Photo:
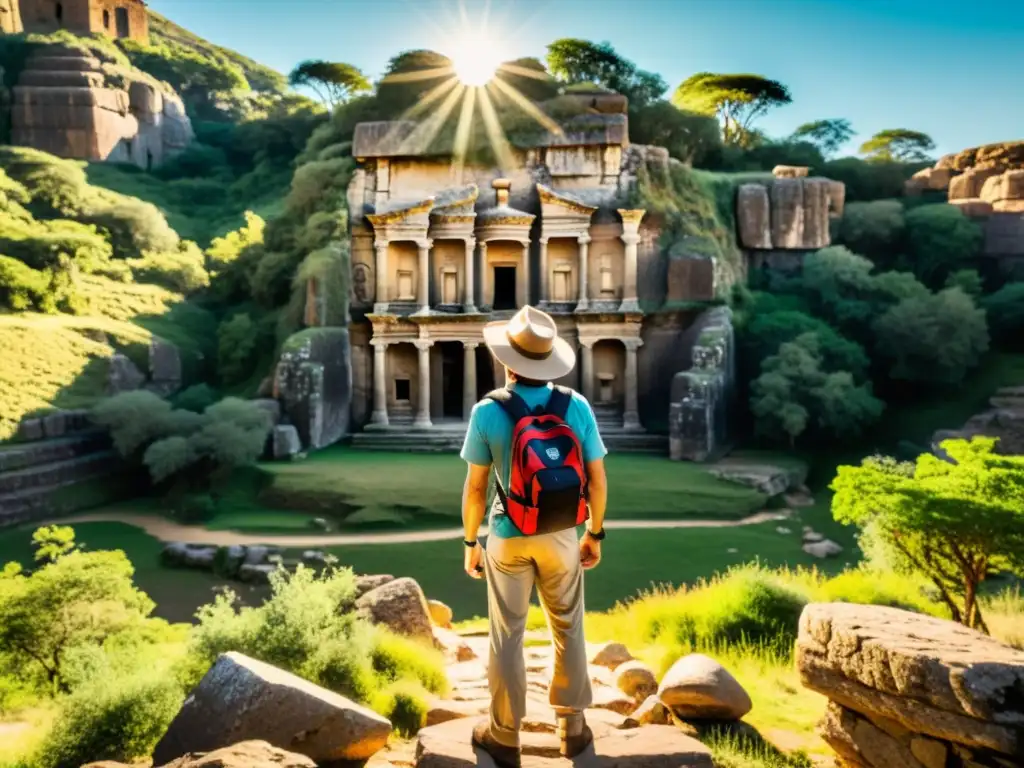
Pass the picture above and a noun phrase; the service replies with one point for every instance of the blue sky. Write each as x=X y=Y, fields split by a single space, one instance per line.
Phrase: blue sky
x=951 y=68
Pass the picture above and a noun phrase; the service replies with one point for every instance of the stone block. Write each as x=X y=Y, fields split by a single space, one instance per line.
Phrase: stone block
x=816 y=219
x=145 y=98
x=787 y=203
x=123 y=375
x=970 y=183
x=974 y=207
x=314 y=384
x=286 y=442
x=399 y=605
x=753 y=216
x=55 y=424
x=836 y=198
x=67 y=79
x=790 y=171
x=164 y=363
x=241 y=699
x=30 y=430
x=81 y=63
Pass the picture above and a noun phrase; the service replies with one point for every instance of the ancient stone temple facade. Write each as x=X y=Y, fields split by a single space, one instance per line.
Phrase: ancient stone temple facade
x=114 y=18
x=436 y=256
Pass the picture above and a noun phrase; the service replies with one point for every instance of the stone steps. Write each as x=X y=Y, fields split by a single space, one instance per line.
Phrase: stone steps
x=57 y=473
x=27 y=455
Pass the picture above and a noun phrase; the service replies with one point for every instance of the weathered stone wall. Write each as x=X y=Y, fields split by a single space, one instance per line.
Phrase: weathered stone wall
x=114 y=18
x=979 y=179
x=910 y=690
x=10 y=17
x=792 y=212
x=64 y=104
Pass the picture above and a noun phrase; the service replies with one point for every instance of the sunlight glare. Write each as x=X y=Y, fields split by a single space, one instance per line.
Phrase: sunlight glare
x=476 y=56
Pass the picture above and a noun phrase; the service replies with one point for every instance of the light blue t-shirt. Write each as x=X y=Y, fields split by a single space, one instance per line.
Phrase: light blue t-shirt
x=489 y=440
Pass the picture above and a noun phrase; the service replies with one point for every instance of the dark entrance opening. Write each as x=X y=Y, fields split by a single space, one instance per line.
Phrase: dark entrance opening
x=504 y=288
x=121 y=15
x=59 y=13
x=484 y=372
x=106 y=19
x=452 y=364
x=402 y=390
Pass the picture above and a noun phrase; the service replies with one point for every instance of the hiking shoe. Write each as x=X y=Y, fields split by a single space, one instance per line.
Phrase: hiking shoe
x=574 y=734
x=503 y=756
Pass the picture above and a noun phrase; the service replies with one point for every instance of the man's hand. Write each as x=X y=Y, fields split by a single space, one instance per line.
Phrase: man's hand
x=590 y=552
x=474 y=561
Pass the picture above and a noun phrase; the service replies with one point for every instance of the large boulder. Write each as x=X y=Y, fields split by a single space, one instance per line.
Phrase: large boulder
x=914 y=680
x=247 y=754
x=657 y=746
x=698 y=687
x=753 y=216
x=401 y=606
x=123 y=375
x=368 y=582
x=241 y=699
x=164 y=367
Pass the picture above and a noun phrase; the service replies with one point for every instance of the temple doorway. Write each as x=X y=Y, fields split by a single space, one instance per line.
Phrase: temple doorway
x=452 y=362
x=484 y=372
x=121 y=19
x=504 y=288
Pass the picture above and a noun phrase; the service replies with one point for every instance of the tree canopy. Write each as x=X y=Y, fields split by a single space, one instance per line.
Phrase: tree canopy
x=737 y=100
x=572 y=60
x=334 y=82
x=827 y=135
x=898 y=144
x=955 y=521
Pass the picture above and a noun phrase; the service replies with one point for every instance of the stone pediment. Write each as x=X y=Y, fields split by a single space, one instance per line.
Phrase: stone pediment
x=563 y=203
x=392 y=211
x=456 y=203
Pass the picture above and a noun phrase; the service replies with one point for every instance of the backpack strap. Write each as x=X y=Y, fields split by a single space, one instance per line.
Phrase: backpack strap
x=511 y=403
x=558 y=403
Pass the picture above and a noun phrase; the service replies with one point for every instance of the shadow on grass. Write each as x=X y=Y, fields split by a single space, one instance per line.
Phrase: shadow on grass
x=741 y=745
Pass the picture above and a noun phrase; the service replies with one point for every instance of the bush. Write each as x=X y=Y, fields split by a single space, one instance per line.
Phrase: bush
x=24 y=289
x=940 y=240
x=196 y=398
x=396 y=658
x=135 y=228
x=181 y=270
x=404 y=703
x=236 y=340
x=874 y=230
x=875 y=180
x=1005 y=310
x=118 y=720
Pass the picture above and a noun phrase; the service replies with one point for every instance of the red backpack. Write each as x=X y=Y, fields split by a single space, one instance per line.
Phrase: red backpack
x=548 y=481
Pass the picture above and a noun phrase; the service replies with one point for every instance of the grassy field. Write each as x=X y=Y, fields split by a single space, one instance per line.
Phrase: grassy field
x=61 y=361
x=364 y=491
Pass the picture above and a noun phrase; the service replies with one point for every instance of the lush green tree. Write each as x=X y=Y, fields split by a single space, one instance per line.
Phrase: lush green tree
x=766 y=332
x=874 y=229
x=940 y=240
x=828 y=135
x=932 y=339
x=868 y=180
x=52 y=542
x=737 y=100
x=956 y=521
x=898 y=144
x=79 y=599
x=236 y=339
x=794 y=395
x=334 y=82
x=687 y=136
x=968 y=281
x=225 y=249
x=408 y=77
x=134 y=227
x=181 y=270
x=1005 y=310
x=572 y=60
x=530 y=77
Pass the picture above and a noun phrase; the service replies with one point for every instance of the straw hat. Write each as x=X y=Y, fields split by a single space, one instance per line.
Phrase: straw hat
x=529 y=345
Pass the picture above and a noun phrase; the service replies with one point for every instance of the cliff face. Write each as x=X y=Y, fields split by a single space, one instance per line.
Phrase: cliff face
x=67 y=104
x=980 y=179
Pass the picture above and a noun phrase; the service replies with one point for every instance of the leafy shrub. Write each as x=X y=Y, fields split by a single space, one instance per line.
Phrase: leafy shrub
x=1005 y=310
x=396 y=658
x=196 y=398
x=967 y=280
x=404 y=703
x=196 y=161
x=224 y=250
x=940 y=240
x=236 y=339
x=119 y=720
x=874 y=230
x=181 y=270
x=135 y=228
x=766 y=332
x=23 y=288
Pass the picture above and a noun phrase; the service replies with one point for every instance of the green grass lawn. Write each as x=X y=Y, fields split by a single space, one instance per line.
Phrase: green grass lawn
x=375 y=490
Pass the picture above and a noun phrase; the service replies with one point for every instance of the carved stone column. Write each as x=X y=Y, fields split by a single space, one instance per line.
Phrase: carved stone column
x=468 y=378
x=469 y=292
x=524 y=285
x=587 y=369
x=486 y=276
x=545 y=275
x=380 y=392
x=380 y=305
x=583 y=301
x=423 y=299
x=631 y=415
x=423 y=411
x=631 y=237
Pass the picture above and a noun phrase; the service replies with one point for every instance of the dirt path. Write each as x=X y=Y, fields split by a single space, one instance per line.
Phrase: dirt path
x=167 y=530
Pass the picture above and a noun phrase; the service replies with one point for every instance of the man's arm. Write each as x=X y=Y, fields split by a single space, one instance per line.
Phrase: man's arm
x=474 y=500
x=597 y=483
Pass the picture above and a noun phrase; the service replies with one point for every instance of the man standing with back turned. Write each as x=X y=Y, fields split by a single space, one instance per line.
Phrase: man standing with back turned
x=548 y=461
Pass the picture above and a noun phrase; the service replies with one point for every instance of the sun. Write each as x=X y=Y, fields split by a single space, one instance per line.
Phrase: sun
x=476 y=56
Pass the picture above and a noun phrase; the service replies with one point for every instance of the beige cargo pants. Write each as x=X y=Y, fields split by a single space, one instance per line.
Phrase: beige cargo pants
x=513 y=566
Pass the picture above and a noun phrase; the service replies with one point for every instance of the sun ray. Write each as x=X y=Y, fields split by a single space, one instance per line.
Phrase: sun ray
x=527 y=106
x=427 y=131
x=434 y=94
x=495 y=134
x=524 y=71
x=418 y=74
x=463 y=131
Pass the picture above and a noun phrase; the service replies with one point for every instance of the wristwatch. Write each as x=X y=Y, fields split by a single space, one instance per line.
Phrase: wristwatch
x=599 y=536
x=469 y=543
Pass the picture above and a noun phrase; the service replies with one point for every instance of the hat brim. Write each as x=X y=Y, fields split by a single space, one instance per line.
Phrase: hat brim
x=556 y=365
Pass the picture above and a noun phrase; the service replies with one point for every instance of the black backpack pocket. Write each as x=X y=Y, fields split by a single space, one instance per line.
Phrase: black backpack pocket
x=558 y=491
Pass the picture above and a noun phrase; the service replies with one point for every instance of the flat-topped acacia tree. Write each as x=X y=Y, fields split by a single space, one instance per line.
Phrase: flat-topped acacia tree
x=955 y=521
